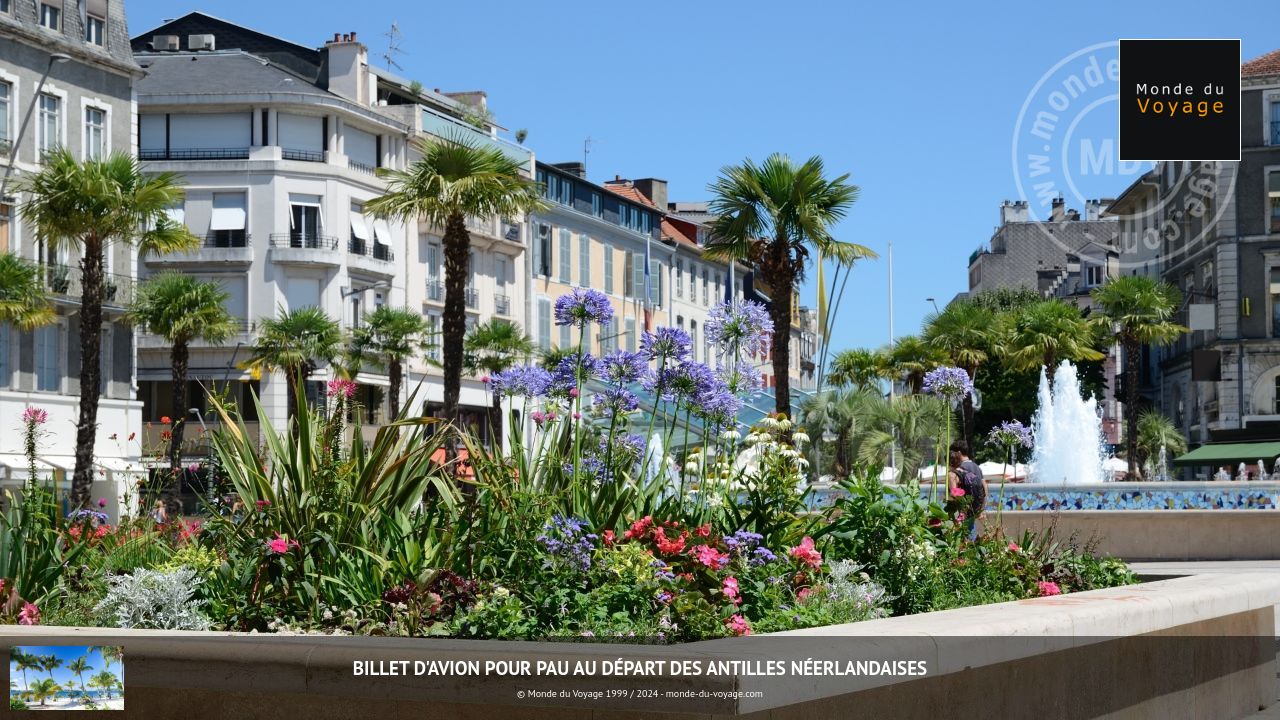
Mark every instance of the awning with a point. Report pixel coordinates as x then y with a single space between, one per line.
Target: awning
119 465
1230 453
62 462
19 462
382 231
228 212
358 228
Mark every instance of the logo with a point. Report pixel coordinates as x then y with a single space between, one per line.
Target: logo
1180 100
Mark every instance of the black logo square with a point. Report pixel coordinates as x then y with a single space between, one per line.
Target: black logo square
1179 100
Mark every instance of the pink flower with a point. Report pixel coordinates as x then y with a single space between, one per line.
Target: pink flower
573 392
35 416
193 468
731 590
262 503
29 615
804 594
807 554
102 502
279 545
485 379
1013 547
538 416
960 517
738 625
341 388
710 557
1048 588
957 492
577 416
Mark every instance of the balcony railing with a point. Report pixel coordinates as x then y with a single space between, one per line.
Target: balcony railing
375 250
473 298
435 291
360 167
241 153
309 241
501 305
226 239
304 155
1275 132
65 282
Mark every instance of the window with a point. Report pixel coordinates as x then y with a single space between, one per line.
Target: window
104 363
48 368
433 336
655 282
566 245
1273 198
6 98
500 273
566 337
1206 276
705 294
679 278
608 269
542 252
719 289
597 207
95 133
228 222
544 324
558 189
6 213
584 261
305 221
1275 122
1093 275
1276 409
1275 302
634 286
693 337
51 15
4 6
95 23
50 125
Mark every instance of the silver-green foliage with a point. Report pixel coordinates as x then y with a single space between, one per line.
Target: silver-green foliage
156 600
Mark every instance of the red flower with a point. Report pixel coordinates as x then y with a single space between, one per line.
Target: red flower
704 531
934 522
673 546
165 420
608 538
279 545
639 528
957 492
805 553
1013 547
1047 588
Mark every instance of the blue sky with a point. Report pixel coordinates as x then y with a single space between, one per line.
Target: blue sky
918 102
65 653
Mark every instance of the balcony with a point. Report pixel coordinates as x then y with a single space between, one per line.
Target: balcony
435 291
299 248
220 246
63 282
502 305
1275 132
370 257
303 155
243 332
361 167
473 298
240 153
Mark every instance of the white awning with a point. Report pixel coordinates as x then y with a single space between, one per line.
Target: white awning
177 214
228 212
371 379
62 462
358 227
19 462
382 231
119 465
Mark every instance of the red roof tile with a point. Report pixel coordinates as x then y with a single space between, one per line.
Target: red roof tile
670 230
1268 64
629 192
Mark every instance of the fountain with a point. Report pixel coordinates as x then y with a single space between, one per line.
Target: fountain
1240 473
1068 433
1162 470
1262 471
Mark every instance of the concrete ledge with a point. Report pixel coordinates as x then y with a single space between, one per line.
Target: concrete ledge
1158 534
1203 642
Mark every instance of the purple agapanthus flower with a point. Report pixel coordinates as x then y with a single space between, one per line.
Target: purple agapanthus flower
667 345
629 446
583 306
744 379
615 400
529 381
622 367
742 326
685 381
573 372
717 407
1010 433
566 539
951 383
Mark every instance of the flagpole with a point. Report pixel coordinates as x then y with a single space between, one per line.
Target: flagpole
893 445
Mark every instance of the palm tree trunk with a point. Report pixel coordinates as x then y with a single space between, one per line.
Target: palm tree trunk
90 369
966 411
1131 407
457 249
179 357
495 423
780 283
394 371
291 394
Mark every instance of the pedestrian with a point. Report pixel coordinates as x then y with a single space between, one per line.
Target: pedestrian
965 478
159 515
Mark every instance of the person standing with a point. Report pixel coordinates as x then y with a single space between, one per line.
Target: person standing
966 485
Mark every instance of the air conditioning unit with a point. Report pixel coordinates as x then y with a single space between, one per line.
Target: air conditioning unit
165 42
200 42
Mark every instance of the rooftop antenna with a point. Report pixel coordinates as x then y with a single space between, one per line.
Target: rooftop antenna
393 37
586 148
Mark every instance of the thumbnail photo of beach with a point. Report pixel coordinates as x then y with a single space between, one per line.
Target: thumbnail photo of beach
66 677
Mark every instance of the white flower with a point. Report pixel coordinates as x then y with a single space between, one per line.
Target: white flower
800 438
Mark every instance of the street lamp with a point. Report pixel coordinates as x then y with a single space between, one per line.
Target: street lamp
54 58
935 305
380 285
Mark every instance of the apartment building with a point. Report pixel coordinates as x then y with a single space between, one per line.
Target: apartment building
279 145
66 81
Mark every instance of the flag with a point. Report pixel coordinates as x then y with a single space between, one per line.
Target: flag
648 290
822 301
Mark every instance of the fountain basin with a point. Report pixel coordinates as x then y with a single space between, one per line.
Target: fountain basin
1111 496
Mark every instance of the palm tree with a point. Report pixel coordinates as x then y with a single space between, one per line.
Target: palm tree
23 301
49 663
911 357
1155 431
91 207
770 215
105 680
839 419
295 342
964 331
908 427
1045 334
1139 311
110 654
44 689
181 308
79 666
491 348
394 334
858 368
25 661
452 180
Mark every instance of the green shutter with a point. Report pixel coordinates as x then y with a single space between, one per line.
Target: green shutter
608 269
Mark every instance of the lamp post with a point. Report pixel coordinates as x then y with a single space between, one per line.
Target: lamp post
935 305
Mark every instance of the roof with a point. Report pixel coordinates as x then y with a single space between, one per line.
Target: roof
670 230
220 72
1268 64
1229 453
629 192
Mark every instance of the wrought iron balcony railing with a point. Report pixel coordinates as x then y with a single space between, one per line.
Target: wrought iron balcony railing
375 250
435 291
241 153
227 239
65 282
310 241
304 155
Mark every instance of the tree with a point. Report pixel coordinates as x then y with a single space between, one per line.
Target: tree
452 180
964 331
908 427
1156 431
1138 311
80 666
1045 334
44 689
295 342
491 348
111 654
181 308
394 334
770 215
22 298
24 661
858 368
911 357
839 419
49 663
90 207
105 680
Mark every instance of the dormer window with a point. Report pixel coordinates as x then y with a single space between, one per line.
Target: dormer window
1094 275
51 14
95 22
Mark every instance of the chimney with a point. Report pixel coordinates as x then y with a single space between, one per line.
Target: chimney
577 168
1059 210
1012 212
348 67
654 189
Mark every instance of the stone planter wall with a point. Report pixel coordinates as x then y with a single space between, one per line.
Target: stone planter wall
1158 534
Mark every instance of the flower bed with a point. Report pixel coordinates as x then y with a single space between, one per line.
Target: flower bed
592 527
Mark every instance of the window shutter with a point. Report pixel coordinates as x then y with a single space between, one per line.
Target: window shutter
586 338
627 276
655 288
537 255
544 323
608 269
566 338
637 281
584 260
566 245
631 334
